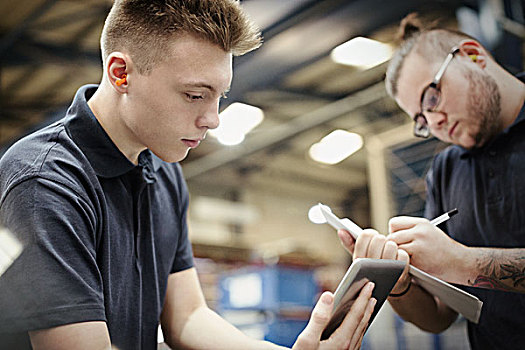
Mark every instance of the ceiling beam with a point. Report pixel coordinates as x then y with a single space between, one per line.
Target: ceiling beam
17 32
30 51
284 132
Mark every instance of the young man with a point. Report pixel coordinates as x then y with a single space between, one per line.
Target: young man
101 207
453 89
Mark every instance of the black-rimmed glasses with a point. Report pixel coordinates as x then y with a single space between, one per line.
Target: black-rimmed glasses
430 98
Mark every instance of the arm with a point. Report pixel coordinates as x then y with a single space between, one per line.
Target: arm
54 285
424 310
84 335
417 305
436 253
187 322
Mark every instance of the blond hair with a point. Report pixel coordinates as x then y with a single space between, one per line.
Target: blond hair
144 28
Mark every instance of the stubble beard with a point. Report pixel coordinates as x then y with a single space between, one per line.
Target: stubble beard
484 105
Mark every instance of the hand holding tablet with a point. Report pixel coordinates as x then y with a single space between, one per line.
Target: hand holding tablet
384 274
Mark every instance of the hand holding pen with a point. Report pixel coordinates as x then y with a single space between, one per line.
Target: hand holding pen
429 248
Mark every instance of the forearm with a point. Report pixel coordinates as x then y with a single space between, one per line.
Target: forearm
496 268
205 329
422 309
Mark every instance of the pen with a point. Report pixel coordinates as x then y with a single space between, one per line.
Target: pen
442 218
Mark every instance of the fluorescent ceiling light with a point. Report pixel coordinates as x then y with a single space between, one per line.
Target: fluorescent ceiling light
235 122
362 52
335 147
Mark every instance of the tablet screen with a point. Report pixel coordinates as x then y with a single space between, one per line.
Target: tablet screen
384 273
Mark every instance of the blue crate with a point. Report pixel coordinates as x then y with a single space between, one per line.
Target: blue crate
267 288
284 331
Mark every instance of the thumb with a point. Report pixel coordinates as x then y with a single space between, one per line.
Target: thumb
347 240
311 335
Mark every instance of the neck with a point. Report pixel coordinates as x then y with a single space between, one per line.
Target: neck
106 105
512 98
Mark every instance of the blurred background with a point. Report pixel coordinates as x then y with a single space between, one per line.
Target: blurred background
316 83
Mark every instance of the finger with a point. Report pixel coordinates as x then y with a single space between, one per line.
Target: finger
404 279
362 242
347 240
402 255
402 237
353 318
357 338
403 223
311 335
390 250
408 248
375 248
359 342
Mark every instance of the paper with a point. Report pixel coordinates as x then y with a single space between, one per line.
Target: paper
458 300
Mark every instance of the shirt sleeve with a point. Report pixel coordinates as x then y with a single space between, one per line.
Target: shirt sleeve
55 281
184 256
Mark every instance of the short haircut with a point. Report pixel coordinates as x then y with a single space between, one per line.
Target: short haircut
145 28
431 43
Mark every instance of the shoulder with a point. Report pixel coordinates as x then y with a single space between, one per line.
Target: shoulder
47 153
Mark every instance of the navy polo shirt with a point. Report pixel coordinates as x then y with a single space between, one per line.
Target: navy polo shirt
100 235
487 185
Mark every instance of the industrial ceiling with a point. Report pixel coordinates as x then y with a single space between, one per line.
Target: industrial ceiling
49 48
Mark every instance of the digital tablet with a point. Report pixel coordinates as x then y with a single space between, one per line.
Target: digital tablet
384 273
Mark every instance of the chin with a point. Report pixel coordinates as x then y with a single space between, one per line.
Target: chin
470 143
173 157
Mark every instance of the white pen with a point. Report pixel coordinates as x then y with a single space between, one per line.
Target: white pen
442 218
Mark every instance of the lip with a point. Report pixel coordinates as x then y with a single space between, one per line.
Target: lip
452 129
191 143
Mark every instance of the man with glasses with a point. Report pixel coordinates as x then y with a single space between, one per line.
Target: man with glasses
454 90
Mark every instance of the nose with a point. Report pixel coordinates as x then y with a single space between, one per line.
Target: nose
436 120
210 117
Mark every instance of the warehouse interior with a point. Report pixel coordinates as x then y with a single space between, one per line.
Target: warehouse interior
249 202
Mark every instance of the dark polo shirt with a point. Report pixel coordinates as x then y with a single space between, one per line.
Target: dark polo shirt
487 185
101 235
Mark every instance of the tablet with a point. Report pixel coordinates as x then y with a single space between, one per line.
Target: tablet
384 273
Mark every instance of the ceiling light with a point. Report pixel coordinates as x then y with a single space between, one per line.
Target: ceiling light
235 122
362 52
335 147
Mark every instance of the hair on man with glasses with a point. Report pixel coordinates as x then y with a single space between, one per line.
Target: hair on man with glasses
453 89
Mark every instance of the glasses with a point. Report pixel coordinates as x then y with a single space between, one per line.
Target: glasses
430 98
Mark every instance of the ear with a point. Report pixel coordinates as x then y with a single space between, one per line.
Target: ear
117 70
475 53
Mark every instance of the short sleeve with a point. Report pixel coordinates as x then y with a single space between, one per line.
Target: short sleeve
55 280
184 256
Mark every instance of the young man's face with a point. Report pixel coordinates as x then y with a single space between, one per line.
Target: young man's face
469 107
171 109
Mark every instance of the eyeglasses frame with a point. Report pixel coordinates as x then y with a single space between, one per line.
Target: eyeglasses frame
423 130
